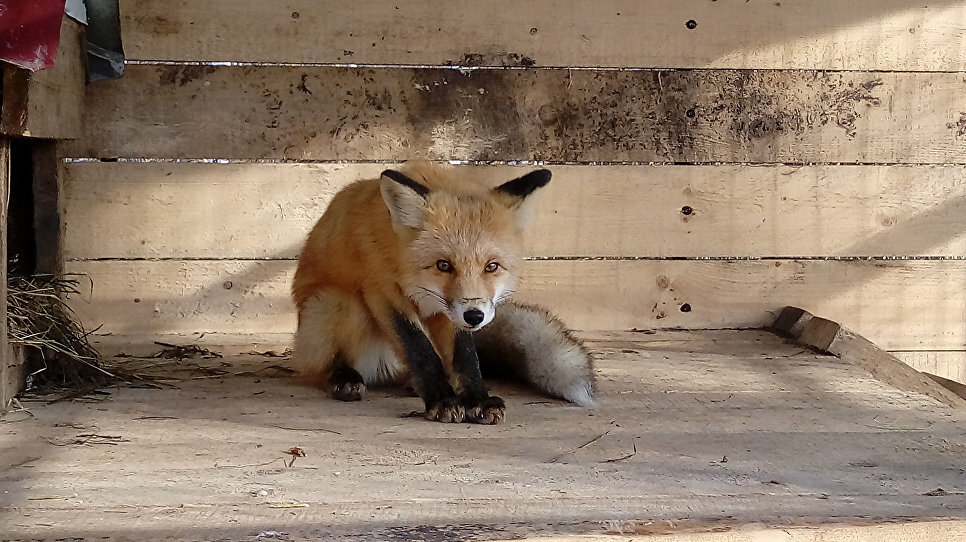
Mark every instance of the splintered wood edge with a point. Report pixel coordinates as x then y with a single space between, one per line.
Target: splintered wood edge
831 337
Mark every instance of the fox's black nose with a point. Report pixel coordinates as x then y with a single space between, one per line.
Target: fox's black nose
473 316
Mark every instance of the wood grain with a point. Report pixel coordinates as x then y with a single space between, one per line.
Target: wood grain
326 113
796 34
899 305
723 435
189 210
949 364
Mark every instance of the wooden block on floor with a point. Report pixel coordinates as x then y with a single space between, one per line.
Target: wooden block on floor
828 336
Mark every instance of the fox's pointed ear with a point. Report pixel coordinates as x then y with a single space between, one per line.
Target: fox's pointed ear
405 198
516 194
522 187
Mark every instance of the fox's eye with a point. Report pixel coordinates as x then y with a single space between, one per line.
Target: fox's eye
444 265
491 267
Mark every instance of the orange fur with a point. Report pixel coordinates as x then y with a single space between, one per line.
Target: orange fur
358 268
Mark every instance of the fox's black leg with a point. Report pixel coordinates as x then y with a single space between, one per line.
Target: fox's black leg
346 382
427 372
478 405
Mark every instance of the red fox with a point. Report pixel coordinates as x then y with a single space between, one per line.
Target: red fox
407 277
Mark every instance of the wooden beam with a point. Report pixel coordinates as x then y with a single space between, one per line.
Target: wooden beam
791 34
829 336
48 103
902 305
11 359
185 210
5 371
328 113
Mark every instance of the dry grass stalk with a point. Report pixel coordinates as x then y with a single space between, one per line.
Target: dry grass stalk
39 318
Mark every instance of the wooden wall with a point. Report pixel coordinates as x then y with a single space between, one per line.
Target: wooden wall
713 161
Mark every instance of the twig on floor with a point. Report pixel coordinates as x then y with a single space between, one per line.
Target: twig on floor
82 394
22 463
75 425
628 456
314 429
271 353
289 505
584 445
182 352
89 439
53 497
282 459
276 367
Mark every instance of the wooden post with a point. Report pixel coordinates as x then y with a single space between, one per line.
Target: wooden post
4 345
11 364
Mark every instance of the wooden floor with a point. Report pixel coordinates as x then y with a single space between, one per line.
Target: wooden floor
698 432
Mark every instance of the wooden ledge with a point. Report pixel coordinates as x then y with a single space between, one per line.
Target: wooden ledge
831 337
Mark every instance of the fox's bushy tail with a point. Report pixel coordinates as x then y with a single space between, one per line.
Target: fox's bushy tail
528 342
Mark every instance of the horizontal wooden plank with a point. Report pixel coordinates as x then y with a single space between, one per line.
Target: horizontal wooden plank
191 210
327 113
899 305
808 34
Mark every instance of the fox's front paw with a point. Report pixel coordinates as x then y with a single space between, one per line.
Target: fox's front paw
349 391
489 411
447 410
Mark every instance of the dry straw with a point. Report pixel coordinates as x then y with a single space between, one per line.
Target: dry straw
39 318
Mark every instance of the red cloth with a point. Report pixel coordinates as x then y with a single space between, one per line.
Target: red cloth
30 32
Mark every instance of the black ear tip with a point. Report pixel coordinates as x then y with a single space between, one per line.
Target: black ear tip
404 180
524 186
541 176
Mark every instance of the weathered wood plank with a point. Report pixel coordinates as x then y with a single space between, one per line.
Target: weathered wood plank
47 103
716 430
949 364
798 34
190 210
900 305
326 113
12 369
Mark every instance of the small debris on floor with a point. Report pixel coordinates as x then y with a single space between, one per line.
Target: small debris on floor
183 352
296 453
89 439
271 353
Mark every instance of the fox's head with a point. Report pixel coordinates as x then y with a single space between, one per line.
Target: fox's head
461 242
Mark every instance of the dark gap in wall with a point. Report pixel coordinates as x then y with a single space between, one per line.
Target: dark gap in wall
21 249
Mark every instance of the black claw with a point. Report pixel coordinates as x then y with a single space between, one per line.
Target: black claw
347 384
